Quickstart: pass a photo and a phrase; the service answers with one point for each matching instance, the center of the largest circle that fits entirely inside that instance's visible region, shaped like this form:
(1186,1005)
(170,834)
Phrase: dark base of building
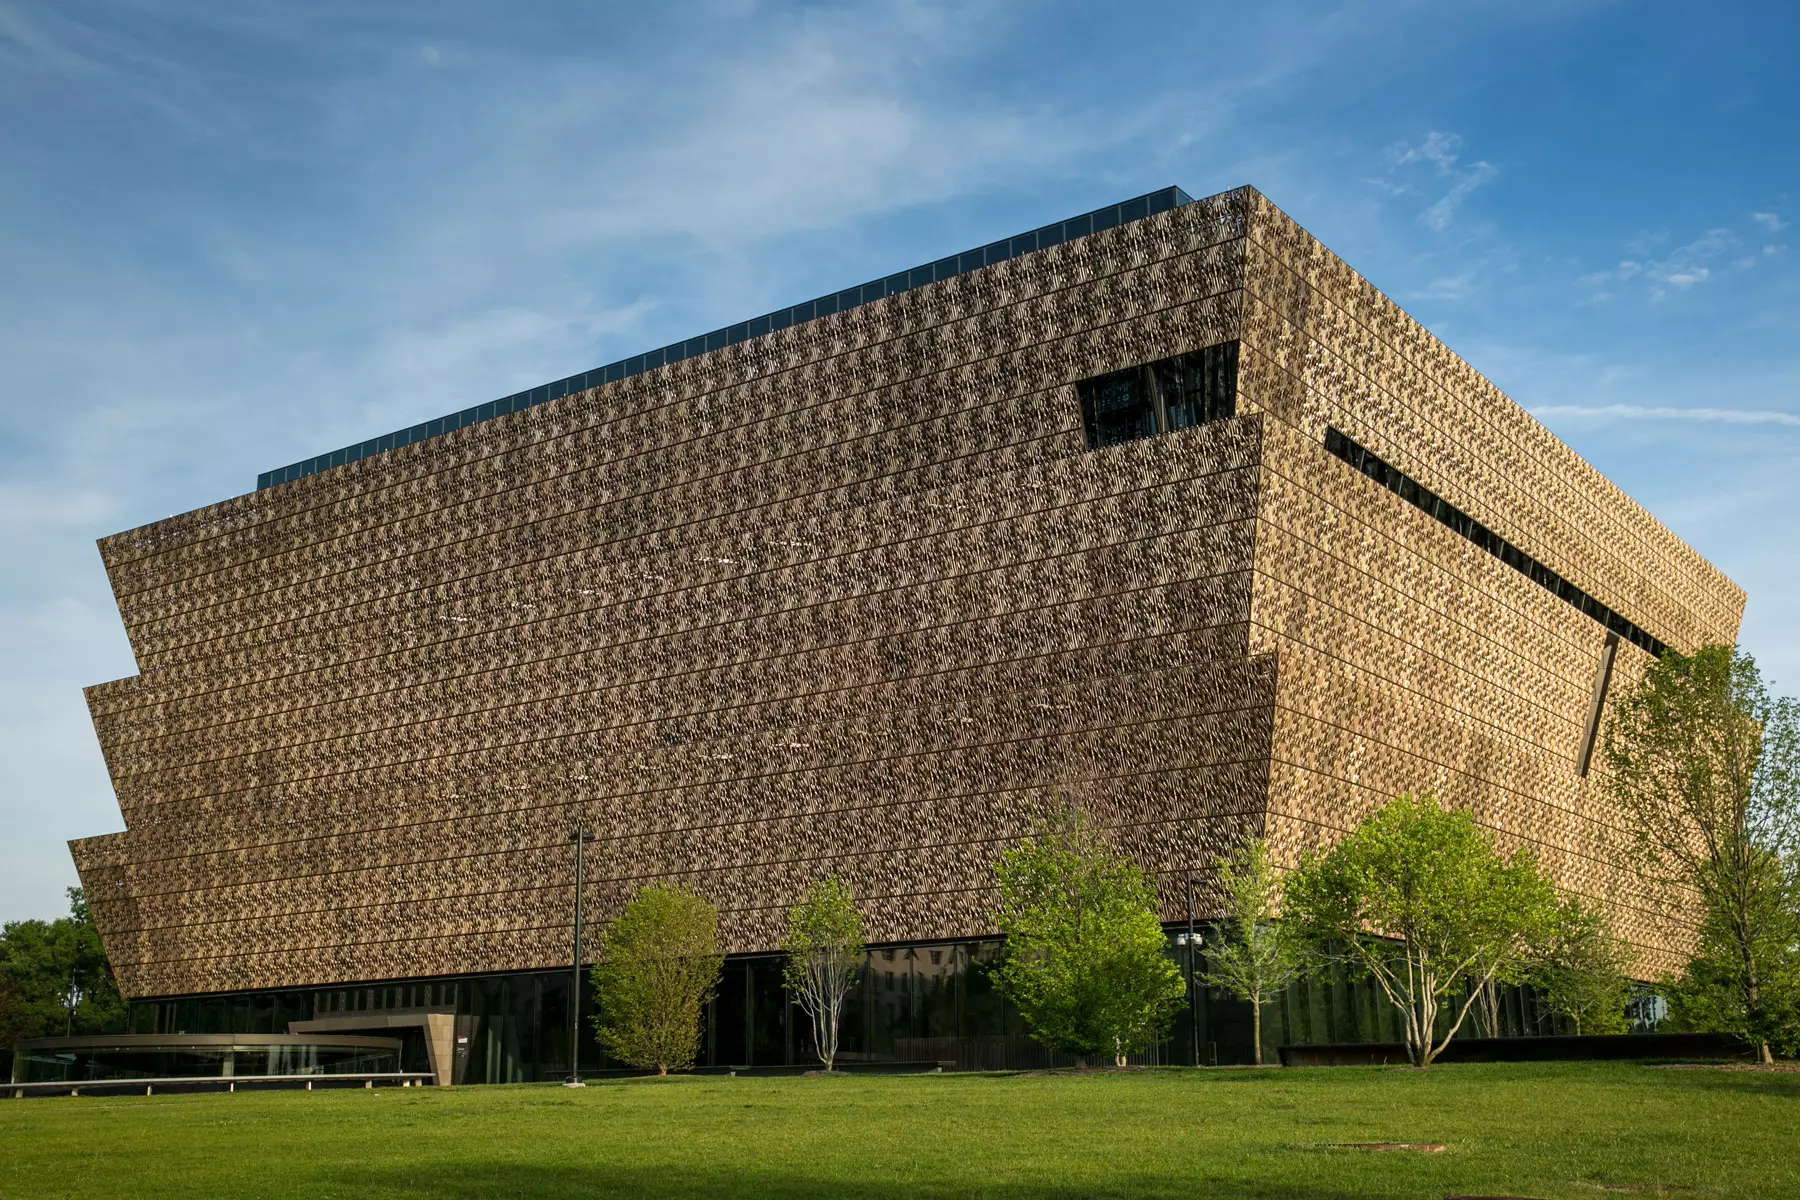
(922,1003)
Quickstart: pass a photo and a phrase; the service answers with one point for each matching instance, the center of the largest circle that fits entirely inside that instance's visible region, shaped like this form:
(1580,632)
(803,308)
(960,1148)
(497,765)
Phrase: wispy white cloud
(1683,267)
(1441,153)
(1699,261)
(1454,288)
(1727,416)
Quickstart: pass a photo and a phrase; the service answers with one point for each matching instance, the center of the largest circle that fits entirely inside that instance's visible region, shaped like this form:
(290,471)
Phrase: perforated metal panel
(852,597)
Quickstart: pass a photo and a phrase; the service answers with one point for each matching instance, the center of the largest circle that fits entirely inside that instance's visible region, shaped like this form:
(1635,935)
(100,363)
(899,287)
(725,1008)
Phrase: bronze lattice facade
(853,596)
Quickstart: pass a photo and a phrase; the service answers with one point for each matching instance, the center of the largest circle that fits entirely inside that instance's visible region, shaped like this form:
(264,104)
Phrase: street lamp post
(1193,991)
(581,839)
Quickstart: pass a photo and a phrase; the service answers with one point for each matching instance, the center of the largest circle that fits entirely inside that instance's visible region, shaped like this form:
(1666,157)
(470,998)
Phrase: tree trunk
(1489,1007)
(662,1069)
(1256,1031)
(1424,1022)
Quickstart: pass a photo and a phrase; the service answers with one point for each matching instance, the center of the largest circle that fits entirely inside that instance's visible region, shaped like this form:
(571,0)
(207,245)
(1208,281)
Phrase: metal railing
(213,1083)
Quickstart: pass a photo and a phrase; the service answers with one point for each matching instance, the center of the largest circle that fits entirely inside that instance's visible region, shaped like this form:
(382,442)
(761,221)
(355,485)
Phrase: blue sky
(233,235)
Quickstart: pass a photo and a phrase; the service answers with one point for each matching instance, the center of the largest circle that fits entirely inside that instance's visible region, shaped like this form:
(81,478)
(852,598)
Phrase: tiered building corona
(1163,509)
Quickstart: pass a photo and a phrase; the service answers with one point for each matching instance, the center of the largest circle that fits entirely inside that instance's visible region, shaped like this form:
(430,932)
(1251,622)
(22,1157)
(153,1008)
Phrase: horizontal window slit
(1410,490)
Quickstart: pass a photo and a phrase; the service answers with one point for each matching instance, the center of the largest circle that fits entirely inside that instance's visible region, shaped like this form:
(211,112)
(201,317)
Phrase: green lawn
(1545,1130)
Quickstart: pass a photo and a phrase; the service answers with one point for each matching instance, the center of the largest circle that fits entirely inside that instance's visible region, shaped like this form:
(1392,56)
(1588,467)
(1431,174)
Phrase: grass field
(1543,1130)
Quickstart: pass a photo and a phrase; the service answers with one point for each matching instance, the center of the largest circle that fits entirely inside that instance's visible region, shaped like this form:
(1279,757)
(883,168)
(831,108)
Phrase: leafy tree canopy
(1256,956)
(1580,971)
(1705,764)
(1458,913)
(54,978)
(1086,961)
(825,950)
(1758,940)
(658,968)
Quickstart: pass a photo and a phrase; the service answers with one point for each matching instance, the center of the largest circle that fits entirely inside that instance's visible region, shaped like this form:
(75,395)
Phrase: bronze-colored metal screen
(854,596)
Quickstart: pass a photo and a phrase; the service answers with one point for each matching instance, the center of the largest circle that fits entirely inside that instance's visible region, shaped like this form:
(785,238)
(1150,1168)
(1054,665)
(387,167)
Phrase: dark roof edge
(1137,208)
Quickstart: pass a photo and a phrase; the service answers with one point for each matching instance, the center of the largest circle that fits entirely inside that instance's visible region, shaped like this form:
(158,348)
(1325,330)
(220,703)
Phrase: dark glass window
(1160,397)
(1199,387)
(1117,408)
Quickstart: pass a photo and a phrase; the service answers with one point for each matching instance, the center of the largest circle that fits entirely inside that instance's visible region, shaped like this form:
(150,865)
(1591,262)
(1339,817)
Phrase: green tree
(659,965)
(1257,956)
(1579,971)
(1455,913)
(1755,938)
(1085,960)
(15,1018)
(1705,766)
(825,949)
(55,977)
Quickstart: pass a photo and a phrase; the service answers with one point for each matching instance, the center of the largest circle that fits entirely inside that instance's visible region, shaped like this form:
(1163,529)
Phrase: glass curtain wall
(922,1002)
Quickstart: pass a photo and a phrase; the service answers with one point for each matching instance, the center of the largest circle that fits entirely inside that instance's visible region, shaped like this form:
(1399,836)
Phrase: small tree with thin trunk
(1764,933)
(1086,962)
(1705,766)
(825,949)
(1579,972)
(658,968)
(1257,957)
(1419,898)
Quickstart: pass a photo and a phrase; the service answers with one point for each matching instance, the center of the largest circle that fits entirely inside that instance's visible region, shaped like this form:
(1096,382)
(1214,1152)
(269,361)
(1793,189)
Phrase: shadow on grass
(1757,1083)
(468,1181)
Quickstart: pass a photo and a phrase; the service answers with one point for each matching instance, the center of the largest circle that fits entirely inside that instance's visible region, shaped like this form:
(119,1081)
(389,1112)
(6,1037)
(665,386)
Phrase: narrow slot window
(1342,447)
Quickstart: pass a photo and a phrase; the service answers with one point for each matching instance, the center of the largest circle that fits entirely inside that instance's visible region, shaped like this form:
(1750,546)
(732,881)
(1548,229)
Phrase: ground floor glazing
(914,1002)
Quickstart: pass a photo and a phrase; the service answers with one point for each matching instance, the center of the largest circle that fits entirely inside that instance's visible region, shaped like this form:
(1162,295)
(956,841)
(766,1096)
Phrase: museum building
(1161,509)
